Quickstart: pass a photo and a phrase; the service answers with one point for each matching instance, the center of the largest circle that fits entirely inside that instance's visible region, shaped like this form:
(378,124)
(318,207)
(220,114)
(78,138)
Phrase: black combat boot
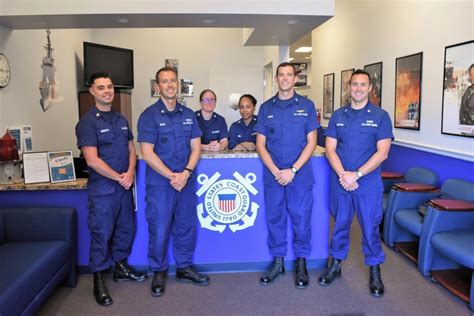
(333,271)
(375,283)
(159,283)
(301,276)
(190,275)
(101,294)
(124,272)
(275,270)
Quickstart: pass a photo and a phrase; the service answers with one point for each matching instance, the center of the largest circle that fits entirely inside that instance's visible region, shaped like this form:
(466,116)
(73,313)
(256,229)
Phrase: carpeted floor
(407,292)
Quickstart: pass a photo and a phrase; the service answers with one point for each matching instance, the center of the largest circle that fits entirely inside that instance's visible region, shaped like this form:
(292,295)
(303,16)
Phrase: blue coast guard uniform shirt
(239,132)
(214,129)
(285,124)
(171,133)
(109,132)
(357,133)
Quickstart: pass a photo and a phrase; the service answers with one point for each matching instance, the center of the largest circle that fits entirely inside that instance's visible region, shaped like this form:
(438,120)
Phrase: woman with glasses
(213,126)
(241,133)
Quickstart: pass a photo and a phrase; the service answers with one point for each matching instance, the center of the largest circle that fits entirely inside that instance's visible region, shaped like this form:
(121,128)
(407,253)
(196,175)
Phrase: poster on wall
(345,88)
(302,71)
(375,72)
(173,63)
(408,76)
(328,95)
(458,90)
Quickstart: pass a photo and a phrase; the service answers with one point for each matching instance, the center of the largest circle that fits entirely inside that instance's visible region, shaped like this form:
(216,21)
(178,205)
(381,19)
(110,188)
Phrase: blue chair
(412,175)
(419,187)
(446,250)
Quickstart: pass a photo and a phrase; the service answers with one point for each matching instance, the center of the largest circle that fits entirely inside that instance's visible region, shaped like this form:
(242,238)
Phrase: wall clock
(5,71)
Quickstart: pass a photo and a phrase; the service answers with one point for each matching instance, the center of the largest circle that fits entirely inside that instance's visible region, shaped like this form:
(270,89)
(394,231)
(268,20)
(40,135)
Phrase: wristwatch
(359,173)
(294,169)
(189,170)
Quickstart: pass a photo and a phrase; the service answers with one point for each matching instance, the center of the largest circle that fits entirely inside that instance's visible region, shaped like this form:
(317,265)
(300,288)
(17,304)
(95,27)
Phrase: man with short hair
(286,140)
(107,145)
(466,110)
(358,140)
(170,142)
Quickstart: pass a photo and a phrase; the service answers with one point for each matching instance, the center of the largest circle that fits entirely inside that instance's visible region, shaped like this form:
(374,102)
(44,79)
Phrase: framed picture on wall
(328,95)
(302,71)
(187,88)
(173,63)
(375,72)
(345,88)
(408,75)
(458,90)
(154,91)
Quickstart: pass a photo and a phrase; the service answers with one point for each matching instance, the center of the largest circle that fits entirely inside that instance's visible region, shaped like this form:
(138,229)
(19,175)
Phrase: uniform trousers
(170,213)
(111,223)
(297,202)
(368,208)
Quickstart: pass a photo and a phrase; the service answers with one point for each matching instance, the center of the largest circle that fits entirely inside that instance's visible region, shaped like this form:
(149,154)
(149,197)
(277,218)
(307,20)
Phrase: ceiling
(267,29)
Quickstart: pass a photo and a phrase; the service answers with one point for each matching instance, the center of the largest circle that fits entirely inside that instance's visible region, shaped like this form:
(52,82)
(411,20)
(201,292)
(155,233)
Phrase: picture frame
(35,167)
(302,73)
(154,91)
(328,95)
(186,88)
(408,78)
(458,92)
(375,71)
(345,88)
(61,166)
(173,63)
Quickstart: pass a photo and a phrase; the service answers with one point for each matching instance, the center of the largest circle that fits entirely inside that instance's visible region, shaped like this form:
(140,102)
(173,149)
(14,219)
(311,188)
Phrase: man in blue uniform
(213,126)
(286,140)
(358,140)
(241,133)
(106,143)
(169,138)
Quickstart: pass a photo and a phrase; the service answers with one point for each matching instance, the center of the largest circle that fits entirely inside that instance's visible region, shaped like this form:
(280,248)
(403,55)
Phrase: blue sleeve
(224,132)
(260,126)
(233,136)
(86,134)
(385,129)
(312,123)
(196,131)
(331,130)
(147,131)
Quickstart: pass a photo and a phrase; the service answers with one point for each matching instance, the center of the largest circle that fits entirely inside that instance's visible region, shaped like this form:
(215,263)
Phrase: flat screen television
(116,61)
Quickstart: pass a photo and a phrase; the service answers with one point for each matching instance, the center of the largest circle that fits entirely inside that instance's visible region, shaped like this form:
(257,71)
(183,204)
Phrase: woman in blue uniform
(212,125)
(241,134)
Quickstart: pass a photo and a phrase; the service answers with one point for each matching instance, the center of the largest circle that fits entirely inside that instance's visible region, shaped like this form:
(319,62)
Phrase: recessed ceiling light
(123,20)
(307,57)
(293,22)
(303,49)
(208,21)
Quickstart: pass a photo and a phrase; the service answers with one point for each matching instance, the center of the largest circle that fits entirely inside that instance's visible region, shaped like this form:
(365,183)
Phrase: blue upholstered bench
(38,252)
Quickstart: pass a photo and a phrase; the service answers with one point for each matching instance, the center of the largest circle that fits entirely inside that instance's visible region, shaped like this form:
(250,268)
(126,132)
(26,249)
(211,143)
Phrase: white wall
(213,58)
(367,31)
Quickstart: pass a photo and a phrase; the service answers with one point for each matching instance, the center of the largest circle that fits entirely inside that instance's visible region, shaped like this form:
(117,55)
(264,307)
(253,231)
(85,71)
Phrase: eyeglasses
(208,100)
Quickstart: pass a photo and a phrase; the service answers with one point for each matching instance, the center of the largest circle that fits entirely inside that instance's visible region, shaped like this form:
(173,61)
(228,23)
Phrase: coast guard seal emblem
(227,202)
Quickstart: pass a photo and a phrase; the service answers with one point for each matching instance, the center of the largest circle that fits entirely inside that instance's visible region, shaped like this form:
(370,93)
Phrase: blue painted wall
(401,158)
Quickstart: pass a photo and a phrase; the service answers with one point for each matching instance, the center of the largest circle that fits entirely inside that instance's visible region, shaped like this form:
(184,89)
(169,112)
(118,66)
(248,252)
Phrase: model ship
(48,86)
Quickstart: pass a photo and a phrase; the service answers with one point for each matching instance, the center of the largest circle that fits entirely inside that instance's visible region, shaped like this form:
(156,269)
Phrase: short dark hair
(360,72)
(98,75)
(286,64)
(167,68)
(207,90)
(250,97)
